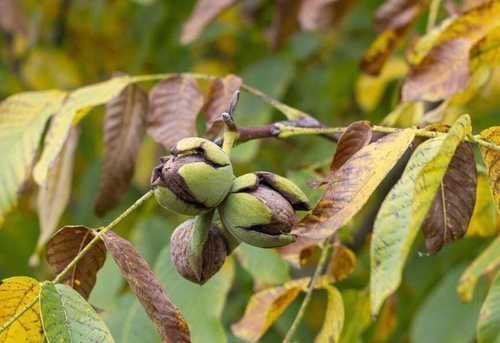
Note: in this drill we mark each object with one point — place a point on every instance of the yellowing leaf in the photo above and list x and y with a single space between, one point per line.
484 218
492 160
487 50
357 315
488 325
370 89
342 263
16 293
488 261
353 183
79 99
22 120
334 317
405 114
374 59
404 210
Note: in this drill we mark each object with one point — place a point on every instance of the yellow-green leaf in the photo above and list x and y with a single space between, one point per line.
405 208
492 160
22 120
488 325
82 98
334 317
488 261
484 218
406 114
487 50
357 315
16 293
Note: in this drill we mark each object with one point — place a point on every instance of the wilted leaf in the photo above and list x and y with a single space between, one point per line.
405 207
53 197
266 306
16 293
357 315
484 218
203 14
123 134
143 282
488 261
63 247
354 138
492 160
67 317
488 326
219 97
451 210
353 183
322 14
334 317
22 120
174 106
342 263
77 100
445 69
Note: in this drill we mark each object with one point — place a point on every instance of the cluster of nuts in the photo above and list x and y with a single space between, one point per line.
256 208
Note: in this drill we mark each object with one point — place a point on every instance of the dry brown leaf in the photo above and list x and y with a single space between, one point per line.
53 197
381 49
143 282
174 106
323 14
63 247
342 263
445 70
123 135
354 138
12 18
395 14
203 14
284 22
451 211
219 97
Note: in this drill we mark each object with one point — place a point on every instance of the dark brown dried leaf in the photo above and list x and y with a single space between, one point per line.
123 135
174 106
219 97
323 14
145 285
203 14
285 22
63 247
355 137
452 208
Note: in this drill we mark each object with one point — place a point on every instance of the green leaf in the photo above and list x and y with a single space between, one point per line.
405 208
265 265
132 323
79 100
201 305
488 261
67 317
22 120
334 317
488 326
357 315
442 317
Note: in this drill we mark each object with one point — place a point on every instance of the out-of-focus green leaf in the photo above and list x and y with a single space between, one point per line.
357 315
150 236
488 326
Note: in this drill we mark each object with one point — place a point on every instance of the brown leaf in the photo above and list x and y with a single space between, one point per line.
322 14
174 106
63 247
445 69
203 14
395 14
300 252
353 139
123 135
12 18
53 197
147 288
219 97
285 22
451 210
381 49
342 263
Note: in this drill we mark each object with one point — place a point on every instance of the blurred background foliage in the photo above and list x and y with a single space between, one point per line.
67 44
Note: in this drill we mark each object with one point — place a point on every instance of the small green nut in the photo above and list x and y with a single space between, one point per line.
260 209
194 179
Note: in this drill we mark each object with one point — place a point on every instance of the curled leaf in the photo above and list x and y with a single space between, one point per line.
123 134
353 139
145 285
174 106
65 245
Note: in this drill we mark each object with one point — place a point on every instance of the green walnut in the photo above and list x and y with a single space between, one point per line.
260 209
195 178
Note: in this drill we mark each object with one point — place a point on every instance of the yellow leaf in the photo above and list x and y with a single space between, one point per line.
15 294
487 50
22 120
380 50
492 160
79 99
406 114
488 261
342 263
334 317
405 208
484 218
